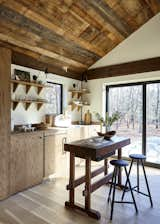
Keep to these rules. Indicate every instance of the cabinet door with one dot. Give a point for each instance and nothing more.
(61, 161)
(49, 163)
(18, 165)
(85, 132)
(26, 161)
(34, 163)
(55, 156)
(74, 134)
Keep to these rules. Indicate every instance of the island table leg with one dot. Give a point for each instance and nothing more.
(106, 166)
(120, 170)
(93, 213)
(71, 202)
(88, 184)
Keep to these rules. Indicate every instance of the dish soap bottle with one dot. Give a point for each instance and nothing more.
(87, 118)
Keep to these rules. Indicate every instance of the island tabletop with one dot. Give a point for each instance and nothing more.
(96, 150)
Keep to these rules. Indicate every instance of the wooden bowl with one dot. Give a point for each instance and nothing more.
(108, 135)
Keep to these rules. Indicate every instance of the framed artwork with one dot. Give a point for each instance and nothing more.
(22, 75)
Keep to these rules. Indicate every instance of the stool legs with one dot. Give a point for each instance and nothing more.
(113, 186)
(139, 161)
(113, 196)
(149, 194)
(138, 175)
(124, 190)
(112, 182)
(130, 188)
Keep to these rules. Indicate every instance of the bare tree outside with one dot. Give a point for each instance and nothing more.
(153, 123)
(128, 101)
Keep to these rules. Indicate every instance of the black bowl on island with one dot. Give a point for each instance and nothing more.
(108, 135)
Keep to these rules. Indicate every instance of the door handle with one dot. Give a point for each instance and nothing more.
(64, 140)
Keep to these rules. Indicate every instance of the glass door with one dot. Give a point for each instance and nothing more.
(153, 123)
(128, 101)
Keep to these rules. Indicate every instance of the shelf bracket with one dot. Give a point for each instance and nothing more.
(73, 94)
(27, 105)
(79, 108)
(15, 85)
(39, 89)
(39, 105)
(28, 88)
(73, 106)
(15, 104)
(79, 95)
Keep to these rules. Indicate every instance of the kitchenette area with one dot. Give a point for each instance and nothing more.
(38, 134)
(40, 154)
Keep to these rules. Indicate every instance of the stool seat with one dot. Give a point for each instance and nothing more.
(119, 163)
(137, 156)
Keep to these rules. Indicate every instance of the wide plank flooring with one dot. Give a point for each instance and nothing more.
(44, 204)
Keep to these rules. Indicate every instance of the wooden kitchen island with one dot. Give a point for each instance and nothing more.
(89, 151)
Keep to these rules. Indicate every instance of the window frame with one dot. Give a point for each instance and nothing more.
(144, 107)
(61, 87)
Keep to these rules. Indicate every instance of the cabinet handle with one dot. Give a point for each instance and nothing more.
(64, 140)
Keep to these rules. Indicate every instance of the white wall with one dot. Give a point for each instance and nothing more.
(144, 43)
(21, 116)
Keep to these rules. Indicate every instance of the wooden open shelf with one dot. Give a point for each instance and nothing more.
(78, 93)
(27, 103)
(28, 85)
(78, 106)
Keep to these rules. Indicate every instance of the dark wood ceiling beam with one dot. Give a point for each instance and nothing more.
(23, 60)
(135, 67)
(44, 59)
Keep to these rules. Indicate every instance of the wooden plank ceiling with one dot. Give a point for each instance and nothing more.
(68, 36)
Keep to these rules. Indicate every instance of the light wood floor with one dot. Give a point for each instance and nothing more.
(44, 204)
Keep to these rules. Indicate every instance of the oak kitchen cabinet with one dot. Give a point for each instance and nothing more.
(26, 161)
(36, 155)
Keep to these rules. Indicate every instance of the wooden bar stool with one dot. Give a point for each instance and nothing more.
(139, 159)
(118, 164)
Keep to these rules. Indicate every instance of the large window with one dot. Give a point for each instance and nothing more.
(54, 97)
(153, 123)
(139, 106)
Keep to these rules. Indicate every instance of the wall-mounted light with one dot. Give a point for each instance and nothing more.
(46, 72)
(65, 68)
(84, 77)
